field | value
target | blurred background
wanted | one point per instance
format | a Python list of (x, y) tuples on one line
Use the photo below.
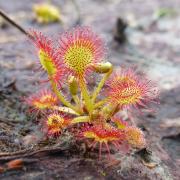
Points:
[(137, 32)]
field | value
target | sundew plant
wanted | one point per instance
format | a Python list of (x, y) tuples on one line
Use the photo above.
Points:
[(91, 116)]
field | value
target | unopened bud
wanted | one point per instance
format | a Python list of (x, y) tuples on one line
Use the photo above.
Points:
[(103, 67), (73, 86)]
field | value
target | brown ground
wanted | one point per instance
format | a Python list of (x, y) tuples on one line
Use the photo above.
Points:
[(153, 45)]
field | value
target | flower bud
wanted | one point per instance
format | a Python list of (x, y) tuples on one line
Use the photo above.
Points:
[(73, 86), (103, 67)]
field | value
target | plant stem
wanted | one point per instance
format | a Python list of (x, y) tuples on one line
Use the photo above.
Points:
[(85, 94), (65, 109), (109, 110), (100, 103), (61, 97), (78, 103), (81, 119), (100, 85), (76, 100)]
